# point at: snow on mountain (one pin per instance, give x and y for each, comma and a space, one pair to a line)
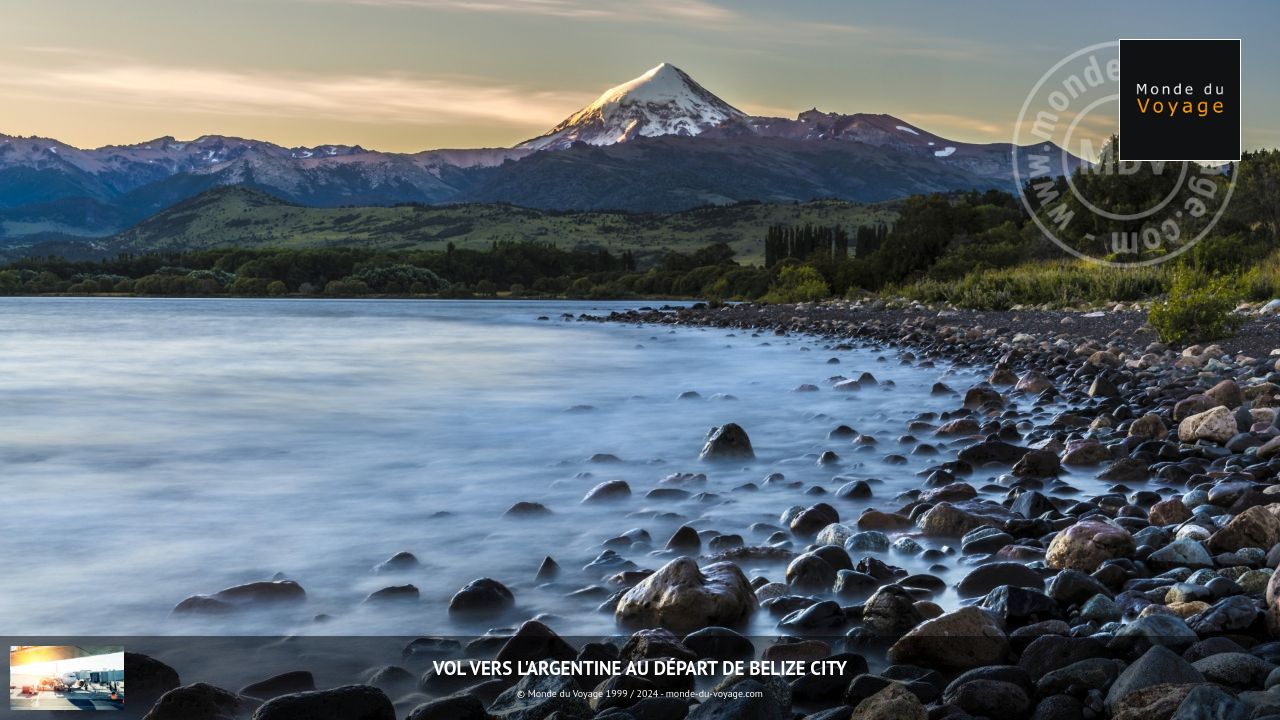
663, 101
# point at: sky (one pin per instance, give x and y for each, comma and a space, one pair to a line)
410, 75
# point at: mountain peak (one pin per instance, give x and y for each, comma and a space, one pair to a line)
662, 101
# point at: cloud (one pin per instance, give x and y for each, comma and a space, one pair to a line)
934, 121
621, 10
384, 98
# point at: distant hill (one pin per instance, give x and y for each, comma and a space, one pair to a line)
658, 143
245, 217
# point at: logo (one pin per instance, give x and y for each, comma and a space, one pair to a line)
1082, 196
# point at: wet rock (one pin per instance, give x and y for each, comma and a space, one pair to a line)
879, 520
608, 491
890, 611
812, 519
947, 520
400, 562
682, 597
894, 702
1038, 464
1217, 425
654, 643
834, 534
810, 573
958, 640
719, 643
854, 585
867, 541
985, 578
1181, 553
1100, 609
1047, 653
1072, 587
539, 696
282, 684
535, 641
148, 678
1169, 512
960, 426
1080, 677
198, 701
484, 596
527, 509
1207, 702
392, 593
1149, 703
393, 680
1086, 544
1156, 629
992, 452
1017, 606
548, 570
995, 699
1228, 615
1255, 527
685, 539
457, 707
351, 702
1148, 427
979, 395
249, 595
1085, 452
1157, 666
825, 615
982, 540
727, 442
1033, 383
1235, 669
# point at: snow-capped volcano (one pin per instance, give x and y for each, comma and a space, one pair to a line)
663, 101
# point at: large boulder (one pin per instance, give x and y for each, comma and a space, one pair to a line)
249, 595
351, 702
1256, 527
958, 640
1085, 545
682, 597
1215, 425
727, 442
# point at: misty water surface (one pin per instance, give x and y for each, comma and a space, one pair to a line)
155, 449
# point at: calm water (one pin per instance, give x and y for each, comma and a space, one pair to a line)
155, 449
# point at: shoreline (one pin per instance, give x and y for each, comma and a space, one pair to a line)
1073, 603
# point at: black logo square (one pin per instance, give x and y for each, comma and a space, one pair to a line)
1180, 100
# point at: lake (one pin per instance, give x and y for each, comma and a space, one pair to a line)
154, 449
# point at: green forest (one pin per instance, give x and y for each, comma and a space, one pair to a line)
971, 249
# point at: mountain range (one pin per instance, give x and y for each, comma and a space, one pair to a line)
658, 143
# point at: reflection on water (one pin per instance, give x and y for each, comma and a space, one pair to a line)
155, 449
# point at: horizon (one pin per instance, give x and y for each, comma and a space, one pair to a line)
408, 76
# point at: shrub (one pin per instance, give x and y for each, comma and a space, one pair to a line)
346, 287
1197, 308
276, 288
798, 283
398, 277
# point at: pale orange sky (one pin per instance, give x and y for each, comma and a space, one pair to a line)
408, 75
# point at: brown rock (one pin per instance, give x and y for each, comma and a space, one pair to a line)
894, 702
1169, 512
959, 640
1226, 393
1085, 545
1149, 426
1157, 702
1256, 527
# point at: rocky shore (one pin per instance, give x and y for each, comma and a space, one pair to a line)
1152, 598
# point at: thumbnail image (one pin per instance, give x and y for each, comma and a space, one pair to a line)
66, 677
